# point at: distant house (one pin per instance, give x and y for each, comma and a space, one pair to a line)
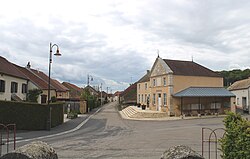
13, 83
183, 87
75, 92
117, 95
128, 96
242, 91
39, 80
91, 90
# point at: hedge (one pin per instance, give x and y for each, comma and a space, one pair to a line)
30, 116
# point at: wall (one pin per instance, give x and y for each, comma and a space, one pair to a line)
143, 91
239, 94
7, 94
183, 82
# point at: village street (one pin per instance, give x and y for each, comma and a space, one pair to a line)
107, 135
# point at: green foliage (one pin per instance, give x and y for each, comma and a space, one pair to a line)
92, 101
30, 116
236, 141
234, 75
33, 94
72, 115
53, 99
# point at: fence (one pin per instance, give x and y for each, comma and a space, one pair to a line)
7, 137
210, 138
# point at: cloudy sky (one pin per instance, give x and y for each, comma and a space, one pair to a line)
116, 41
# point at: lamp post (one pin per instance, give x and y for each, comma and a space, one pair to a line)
50, 61
89, 78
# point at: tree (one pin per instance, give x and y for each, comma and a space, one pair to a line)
236, 141
33, 95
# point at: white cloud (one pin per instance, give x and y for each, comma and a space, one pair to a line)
115, 40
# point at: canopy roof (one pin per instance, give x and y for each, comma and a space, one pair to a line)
204, 92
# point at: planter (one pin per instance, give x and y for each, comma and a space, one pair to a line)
143, 107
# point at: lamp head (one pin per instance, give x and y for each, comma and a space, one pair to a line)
57, 53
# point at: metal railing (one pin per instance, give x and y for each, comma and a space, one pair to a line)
7, 136
211, 136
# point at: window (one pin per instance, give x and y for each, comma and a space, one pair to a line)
139, 86
164, 99
145, 98
24, 88
153, 98
14, 86
142, 98
164, 81
2, 86
139, 97
238, 101
146, 86
154, 82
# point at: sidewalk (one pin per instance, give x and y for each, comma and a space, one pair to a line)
135, 113
68, 124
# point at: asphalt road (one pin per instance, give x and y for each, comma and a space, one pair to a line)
107, 135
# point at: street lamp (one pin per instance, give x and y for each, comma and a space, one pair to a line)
50, 61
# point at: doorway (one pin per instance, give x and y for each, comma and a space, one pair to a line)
159, 102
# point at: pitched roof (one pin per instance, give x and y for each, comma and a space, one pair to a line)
35, 79
189, 68
8, 68
53, 84
60, 86
74, 91
145, 78
72, 86
129, 94
242, 84
204, 92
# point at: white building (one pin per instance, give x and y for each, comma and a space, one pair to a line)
13, 83
242, 91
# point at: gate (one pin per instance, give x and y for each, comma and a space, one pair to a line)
210, 138
7, 136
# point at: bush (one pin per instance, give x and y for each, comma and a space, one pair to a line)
236, 141
30, 116
72, 115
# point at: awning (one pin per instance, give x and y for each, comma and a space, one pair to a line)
204, 92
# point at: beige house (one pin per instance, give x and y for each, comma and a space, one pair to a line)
242, 91
183, 87
13, 84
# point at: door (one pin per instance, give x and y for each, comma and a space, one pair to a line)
159, 102
244, 103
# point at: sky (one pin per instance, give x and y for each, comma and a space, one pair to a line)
116, 41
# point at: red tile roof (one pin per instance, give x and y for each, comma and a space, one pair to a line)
189, 68
8, 68
35, 79
52, 82
74, 91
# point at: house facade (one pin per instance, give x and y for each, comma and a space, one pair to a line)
168, 78
13, 83
242, 91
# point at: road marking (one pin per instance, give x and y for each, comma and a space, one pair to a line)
61, 133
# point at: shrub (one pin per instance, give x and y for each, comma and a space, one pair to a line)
236, 141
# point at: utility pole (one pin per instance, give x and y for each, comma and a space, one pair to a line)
101, 94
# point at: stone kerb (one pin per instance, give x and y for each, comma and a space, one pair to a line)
34, 150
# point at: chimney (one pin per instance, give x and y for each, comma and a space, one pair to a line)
148, 71
28, 65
